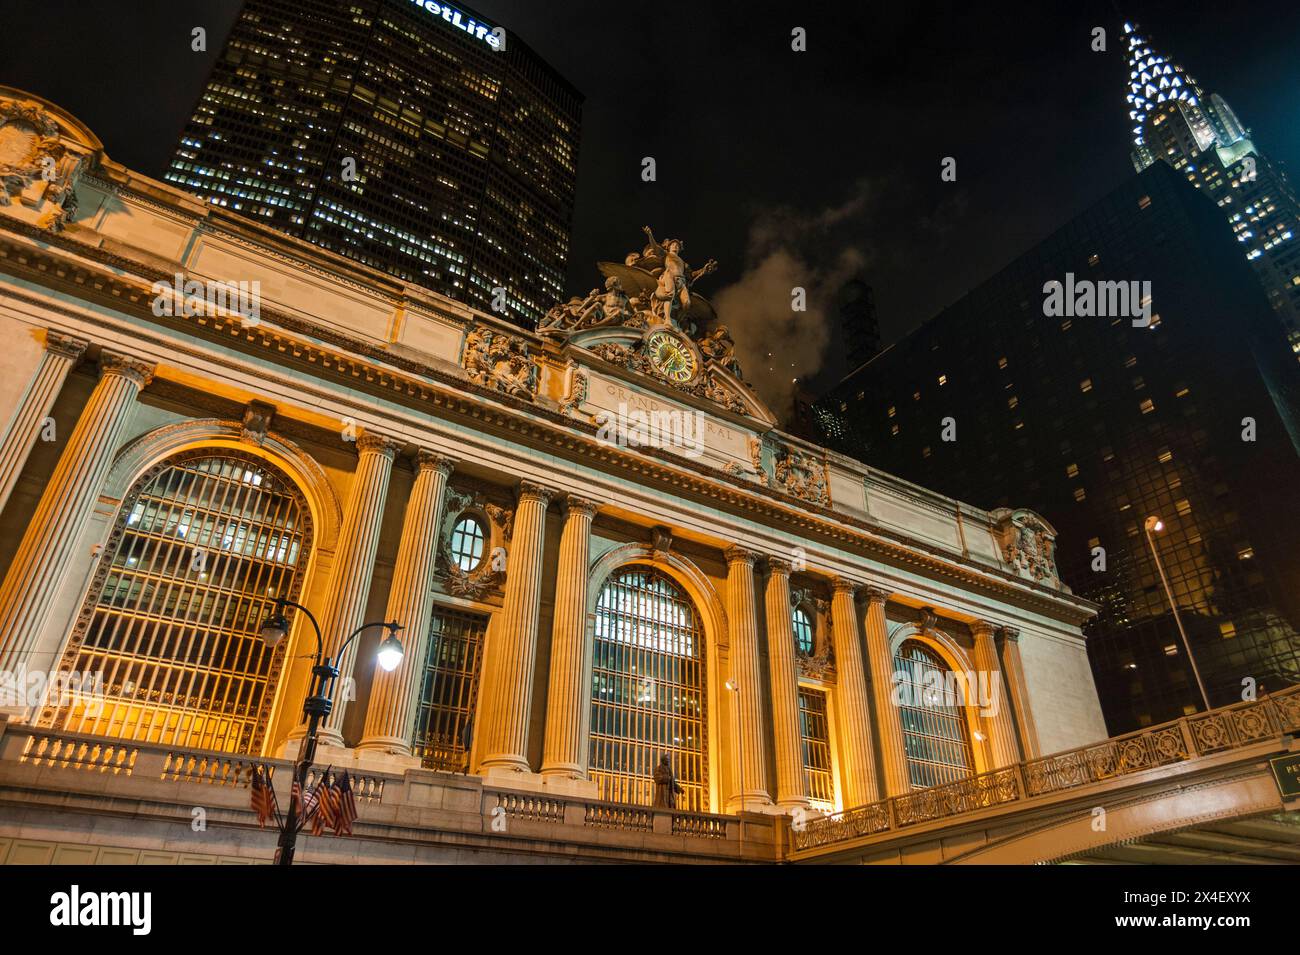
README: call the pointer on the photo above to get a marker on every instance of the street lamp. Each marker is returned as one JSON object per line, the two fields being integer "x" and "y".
{"x": 320, "y": 699}
{"x": 1156, "y": 525}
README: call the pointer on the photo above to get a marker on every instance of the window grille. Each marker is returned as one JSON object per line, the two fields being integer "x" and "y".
{"x": 449, "y": 689}
{"x": 648, "y": 692}
{"x": 201, "y": 546}
{"x": 814, "y": 728}
{"x": 935, "y": 734}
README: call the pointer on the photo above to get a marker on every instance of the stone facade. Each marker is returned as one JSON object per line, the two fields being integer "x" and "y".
{"x": 383, "y": 404}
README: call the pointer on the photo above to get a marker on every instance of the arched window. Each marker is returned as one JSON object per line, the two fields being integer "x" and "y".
{"x": 932, "y": 706}
{"x": 647, "y": 693}
{"x": 202, "y": 544}
{"x": 467, "y": 540}
{"x": 803, "y": 632}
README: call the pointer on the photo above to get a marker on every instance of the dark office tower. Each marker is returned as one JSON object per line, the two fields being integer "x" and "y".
{"x": 1172, "y": 120}
{"x": 1098, "y": 423}
{"x": 395, "y": 132}
{"x": 858, "y": 324}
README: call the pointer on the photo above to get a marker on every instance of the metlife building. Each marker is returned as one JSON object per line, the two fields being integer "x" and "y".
{"x": 416, "y": 137}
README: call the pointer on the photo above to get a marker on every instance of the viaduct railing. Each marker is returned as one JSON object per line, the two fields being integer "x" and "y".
{"x": 1204, "y": 734}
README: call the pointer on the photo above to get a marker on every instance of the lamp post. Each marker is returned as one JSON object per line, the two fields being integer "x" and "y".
{"x": 1156, "y": 524}
{"x": 319, "y": 702}
{"x": 740, "y": 763}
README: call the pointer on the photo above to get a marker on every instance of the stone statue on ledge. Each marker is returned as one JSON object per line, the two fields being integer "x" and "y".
{"x": 719, "y": 346}
{"x": 666, "y": 787}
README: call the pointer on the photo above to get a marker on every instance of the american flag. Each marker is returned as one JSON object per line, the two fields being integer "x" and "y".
{"x": 307, "y": 805}
{"x": 347, "y": 807}
{"x": 262, "y": 796}
{"x": 327, "y": 805}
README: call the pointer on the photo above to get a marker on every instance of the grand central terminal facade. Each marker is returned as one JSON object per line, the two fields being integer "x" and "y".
{"x": 601, "y": 550}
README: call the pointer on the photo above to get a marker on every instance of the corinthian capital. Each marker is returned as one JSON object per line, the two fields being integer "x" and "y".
{"x": 580, "y": 507}
{"x": 65, "y": 346}
{"x": 433, "y": 461}
{"x": 115, "y": 363}
{"x": 876, "y": 594}
{"x": 842, "y": 585}
{"x": 528, "y": 491}
{"x": 779, "y": 566}
{"x": 372, "y": 442}
{"x": 740, "y": 555}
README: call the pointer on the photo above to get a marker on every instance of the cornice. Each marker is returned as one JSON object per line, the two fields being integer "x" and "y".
{"x": 523, "y": 420}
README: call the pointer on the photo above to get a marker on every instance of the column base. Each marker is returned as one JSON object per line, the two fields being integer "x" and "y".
{"x": 384, "y": 745}
{"x": 753, "y": 802}
{"x": 511, "y": 777}
{"x": 353, "y": 760}
{"x": 343, "y": 757}
{"x": 787, "y": 806}
{"x": 326, "y": 738}
{"x": 566, "y": 784}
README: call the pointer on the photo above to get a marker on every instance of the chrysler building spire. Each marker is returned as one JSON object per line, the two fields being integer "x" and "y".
{"x": 1155, "y": 80}
{"x": 1172, "y": 120}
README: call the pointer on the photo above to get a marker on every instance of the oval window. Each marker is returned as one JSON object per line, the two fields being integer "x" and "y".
{"x": 803, "y": 633}
{"x": 467, "y": 540}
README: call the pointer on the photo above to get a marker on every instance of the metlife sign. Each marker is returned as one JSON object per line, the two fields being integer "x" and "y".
{"x": 494, "y": 37}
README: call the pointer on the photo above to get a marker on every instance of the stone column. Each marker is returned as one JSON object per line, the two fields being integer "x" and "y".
{"x": 889, "y": 722}
{"x": 354, "y": 565}
{"x": 750, "y": 778}
{"x": 785, "y": 687}
{"x": 852, "y": 708}
{"x": 1008, "y": 639}
{"x": 62, "y": 352}
{"x": 45, "y": 553}
{"x": 395, "y": 696}
{"x": 1002, "y": 728}
{"x": 507, "y": 691}
{"x": 568, "y": 701}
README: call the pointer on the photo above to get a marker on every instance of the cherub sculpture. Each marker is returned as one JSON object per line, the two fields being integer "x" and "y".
{"x": 607, "y": 309}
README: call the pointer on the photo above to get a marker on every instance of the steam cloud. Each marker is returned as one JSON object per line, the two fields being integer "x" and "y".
{"x": 786, "y": 250}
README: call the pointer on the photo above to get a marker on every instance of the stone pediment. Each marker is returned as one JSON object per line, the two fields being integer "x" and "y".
{"x": 674, "y": 362}
{"x": 649, "y": 323}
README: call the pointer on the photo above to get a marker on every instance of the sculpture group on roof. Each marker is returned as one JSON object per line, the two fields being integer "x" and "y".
{"x": 654, "y": 286}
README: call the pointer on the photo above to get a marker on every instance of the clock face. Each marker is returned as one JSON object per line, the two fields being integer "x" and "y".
{"x": 671, "y": 356}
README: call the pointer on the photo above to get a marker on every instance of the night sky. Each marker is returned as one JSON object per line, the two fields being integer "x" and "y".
{"x": 788, "y": 168}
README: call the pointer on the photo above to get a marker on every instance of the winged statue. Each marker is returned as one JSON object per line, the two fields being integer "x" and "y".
{"x": 661, "y": 281}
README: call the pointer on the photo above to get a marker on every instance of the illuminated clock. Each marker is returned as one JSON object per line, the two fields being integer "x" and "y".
{"x": 671, "y": 357}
